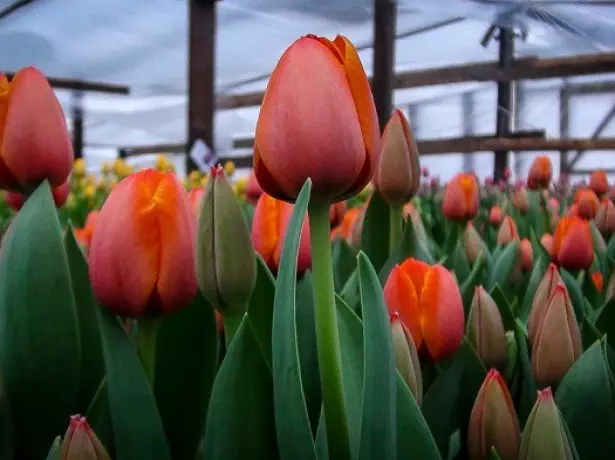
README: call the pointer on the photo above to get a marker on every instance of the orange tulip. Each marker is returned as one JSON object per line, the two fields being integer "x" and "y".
{"x": 587, "y": 203}
{"x": 541, "y": 299}
{"x": 527, "y": 255}
{"x": 336, "y": 213}
{"x": 428, "y": 302}
{"x": 142, "y": 256}
{"x": 540, "y": 173}
{"x": 34, "y": 140}
{"x": 508, "y": 231}
{"x": 84, "y": 235}
{"x": 461, "y": 198}
{"x": 572, "y": 244}
{"x": 495, "y": 215}
{"x": 598, "y": 281}
{"x": 253, "y": 189}
{"x": 80, "y": 441}
{"x": 317, "y": 120}
{"x": 196, "y": 197}
{"x": 344, "y": 229}
{"x": 269, "y": 224}
{"x": 599, "y": 182}
{"x": 60, "y": 194}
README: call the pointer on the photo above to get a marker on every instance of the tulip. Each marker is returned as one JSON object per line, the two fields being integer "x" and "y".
{"x": 486, "y": 330}
{"x": 253, "y": 189}
{"x": 541, "y": 299}
{"x": 16, "y": 200}
{"x": 540, "y": 173}
{"x": 398, "y": 176}
{"x": 496, "y": 216}
{"x": 336, "y": 213}
{"x": 196, "y": 197}
{"x": 557, "y": 344}
{"x": 226, "y": 262}
{"x": 599, "y": 182}
{"x": 81, "y": 443}
{"x": 572, "y": 244}
{"x": 547, "y": 242}
{"x": 271, "y": 217}
{"x": 142, "y": 253}
{"x": 544, "y": 435}
{"x": 508, "y": 231}
{"x": 406, "y": 357}
{"x": 472, "y": 243}
{"x": 553, "y": 206}
{"x": 521, "y": 200}
{"x": 84, "y": 235}
{"x": 461, "y": 198}
{"x": 493, "y": 421}
{"x": 428, "y": 302}
{"x": 410, "y": 212}
{"x": 344, "y": 230}
{"x": 587, "y": 203}
{"x": 598, "y": 281}
{"x": 34, "y": 140}
{"x": 318, "y": 121}
{"x": 573, "y": 211}
{"x": 605, "y": 218}
{"x": 527, "y": 255}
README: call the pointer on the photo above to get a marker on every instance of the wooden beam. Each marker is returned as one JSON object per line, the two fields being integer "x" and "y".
{"x": 13, "y": 7}
{"x": 606, "y": 121}
{"x": 575, "y": 89}
{"x": 504, "y": 105}
{"x": 80, "y": 85}
{"x": 385, "y": 20}
{"x": 564, "y": 125}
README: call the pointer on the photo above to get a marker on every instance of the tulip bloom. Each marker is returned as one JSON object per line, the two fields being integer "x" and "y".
{"x": 493, "y": 421}
{"x": 428, "y": 302}
{"x": 486, "y": 330}
{"x": 142, "y": 256}
{"x": 598, "y": 281}
{"x": 495, "y": 215}
{"x": 80, "y": 442}
{"x": 599, "y": 182}
{"x": 461, "y": 198}
{"x": 59, "y": 194}
{"x": 521, "y": 200}
{"x": 269, "y": 224}
{"x": 344, "y": 230}
{"x": 572, "y": 244}
{"x": 84, "y": 235}
{"x": 317, "y": 120}
{"x": 508, "y": 231}
{"x": 605, "y": 218}
{"x": 398, "y": 176}
{"x": 253, "y": 189}
{"x": 34, "y": 140}
{"x": 587, "y": 203}
{"x": 540, "y": 173}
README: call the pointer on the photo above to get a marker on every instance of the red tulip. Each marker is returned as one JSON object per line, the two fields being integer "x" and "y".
{"x": 461, "y": 198}
{"x": 598, "y": 281}
{"x": 142, "y": 256}
{"x": 16, "y": 200}
{"x": 269, "y": 223}
{"x": 34, "y": 140}
{"x": 599, "y": 182}
{"x": 253, "y": 189}
{"x": 541, "y": 173}
{"x": 572, "y": 244}
{"x": 317, "y": 120}
{"x": 587, "y": 203}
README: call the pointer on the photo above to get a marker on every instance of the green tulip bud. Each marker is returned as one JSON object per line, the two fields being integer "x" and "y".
{"x": 486, "y": 330}
{"x": 406, "y": 358}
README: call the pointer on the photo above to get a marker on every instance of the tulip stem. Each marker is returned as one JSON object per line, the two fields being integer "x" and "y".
{"x": 327, "y": 335}
{"x": 396, "y": 226}
{"x": 146, "y": 346}
{"x": 231, "y": 325}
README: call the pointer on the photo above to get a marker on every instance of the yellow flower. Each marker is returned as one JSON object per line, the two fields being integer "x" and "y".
{"x": 242, "y": 184}
{"x": 194, "y": 176}
{"x": 79, "y": 167}
{"x": 106, "y": 168}
{"x": 204, "y": 181}
{"x": 89, "y": 191}
{"x": 229, "y": 168}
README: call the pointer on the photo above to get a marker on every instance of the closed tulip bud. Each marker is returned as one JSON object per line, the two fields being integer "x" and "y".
{"x": 81, "y": 443}
{"x": 399, "y": 173}
{"x": 486, "y": 330}
{"x": 461, "y": 198}
{"x": 493, "y": 421}
{"x": 226, "y": 263}
{"x": 541, "y": 173}
{"x": 599, "y": 182}
{"x": 34, "y": 140}
{"x": 472, "y": 243}
{"x": 587, "y": 203}
{"x": 557, "y": 344}
{"x": 269, "y": 223}
{"x": 317, "y": 110}
{"x": 336, "y": 213}
{"x": 406, "y": 357}
{"x": 544, "y": 435}
{"x": 547, "y": 242}
{"x": 527, "y": 255}
{"x": 573, "y": 244}
{"x": 508, "y": 231}
{"x": 605, "y": 218}
{"x": 253, "y": 189}
{"x": 521, "y": 200}
{"x": 142, "y": 253}
{"x": 496, "y": 216}
{"x": 540, "y": 302}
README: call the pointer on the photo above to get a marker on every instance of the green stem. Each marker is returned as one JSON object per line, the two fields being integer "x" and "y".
{"x": 396, "y": 226}
{"x": 146, "y": 345}
{"x": 327, "y": 336}
{"x": 231, "y": 325}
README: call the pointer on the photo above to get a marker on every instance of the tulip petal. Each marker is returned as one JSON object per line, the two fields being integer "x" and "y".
{"x": 264, "y": 177}
{"x": 401, "y": 299}
{"x": 416, "y": 270}
{"x": 265, "y": 228}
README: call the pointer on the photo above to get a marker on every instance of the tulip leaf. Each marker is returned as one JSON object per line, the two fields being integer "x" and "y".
{"x": 378, "y": 435}
{"x": 7, "y": 430}
{"x": 508, "y": 319}
{"x": 350, "y": 292}
{"x": 536, "y": 213}
{"x": 240, "y": 420}
{"x": 569, "y": 438}
{"x": 605, "y": 321}
{"x": 92, "y": 363}
{"x": 585, "y": 399}
{"x": 260, "y": 309}
{"x": 504, "y": 264}
{"x": 137, "y": 427}
{"x": 538, "y": 273}
{"x": 458, "y": 263}
{"x": 576, "y": 295}
{"x": 344, "y": 263}
{"x": 539, "y": 251}
{"x": 589, "y": 333}
{"x": 99, "y": 417}
{"x": 493, "y": 455}
{"x": 40, "y": 352}
{"x": 322, "y": 450}
{"x": 610, "y": 248}
{"x": 375, "y": 231}
{"x": 590, "y": 291}
{"x": 182, "y": 389}
{"x": 469, "y": 285}
{"x": 527, "y": 388}
{"x": 54, "y": 451}
{"x": 292, "y": 422}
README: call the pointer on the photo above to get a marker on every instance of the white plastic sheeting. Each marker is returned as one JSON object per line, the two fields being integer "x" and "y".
{"x": 143, "y": 44}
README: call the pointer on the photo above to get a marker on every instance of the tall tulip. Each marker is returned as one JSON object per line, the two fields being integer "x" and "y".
{"x": 599, "y": 182}
{"x": 541, "y": 173}
{"x": 34, "y": 140}
{"x": 587, "y": 203}
{"x": 572, "y": 244}
{"x": 461, "y": 198}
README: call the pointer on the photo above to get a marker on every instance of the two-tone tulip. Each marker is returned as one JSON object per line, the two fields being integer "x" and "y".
{"x": 521, "y": 200}
{"x": 269, "y": 223}
{"x": 406, "y": 357}
{"x": 605, "y": 218}
{"x": 540, "y": 301}
{"x": 34, "y": 140}
{"x": 317, "y": 110}
{"x": 493, "y": 421}
{"x": 428, "y": 302}
{"x": 486, "y": 330}
{"x": 472, "y": 243}
{"x": 398, "y": 176}
{"x": 573, "y": 244}
{"x": 508, "y": 231}
{"x": 59, "y": 194}
{"x": 496, "y": 216}
{"x": 81, "y": 443}
{"x": 587, "y": 203}
{"x": 461, "y": 198}
{"x": 253, "y": 189}
{"x": 599, "y": 182}
{"x": 142, "y": 253}
{"x": 541, "y": 173}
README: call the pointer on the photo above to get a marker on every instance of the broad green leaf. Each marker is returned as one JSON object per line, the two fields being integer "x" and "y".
{"x": 344, "y": 263}
{"x": 322, "y": 450}
{"x": 539, "y": 251}
{"x": 599, "y": 250}
{"x": 527, "y": 388}
{"x": 605, "y": 321}
{"x": 240, "y": 420}
{"x": 292, "y": 422}
{"x": 576, "y": 295}
{"x": 182, "y": 387}
{"x": 260, "y": 309}
{"x": 54, "y": 451}
{"x": 99, "y": 417}
{"x": 137, "y": 427}
{"x": 589, "y": 333}
{"x": 469, "y": 285}
{"x": 375, "y": 232}
{"x": 350, "y": 292}
{"x": 538, "y": 273}
{"x": 536, "y": 213}
{"x": 504, "y": 264}
{"x": 40, "y": 354}
{"x": 458, "y": 263}
{"x": 378, "y": 434}
{"x": 508, "y": 318}
{"x": 610, "y": 248}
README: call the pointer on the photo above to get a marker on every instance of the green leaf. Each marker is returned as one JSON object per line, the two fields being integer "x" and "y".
{"x": 54, "y": 451}
{"x": 536, "y": 214}
{"x": 378, "y": 435}
{"x": 350, "y": 292}
{"x": 599, "y": 250}
{"x": 576, "y": 295}
{"x": 458, "y": 263}
{"x": 493, "y": 455}
{"x": 7, "y": 431}
{"x": 527, "y": 389}
{"x": 469, "y": 285}
{"x": 538, "y": 249}
{"x": 137, "y": 427}
{"x": 240, "y": 420}
{"x": 504, "y": 264}
{"x": 99, "y": 417}
{"x": 182, "y": 387}
{"x": 40, "y": 353}
{"x": 322, "y": 450}
{"x": 344, "y": 263}
{"x": 610, "y": 248}
{"x": 374, "y": 240}
{"x": 591, "y": 293}
{"x": 585, "y": 399}
{"x": 508, "y": 319}
{"x": 589, "y": 333}
{"x": 260, "y": 309}
{"x": 291, "y": 416}
{"x": 92, "y": 363}
{"x": 538, "y": 273}
{"x": 605, "y": 321}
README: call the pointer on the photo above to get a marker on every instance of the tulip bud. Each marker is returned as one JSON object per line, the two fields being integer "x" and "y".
{"x": 512, "y": 356}
{"x": 495, "y": 215}
{"x": 599, "y": 182}
{"x": 554, "y": 207}
{"x": 557, "y": 344}
{"x": 521, "y": 200}
{"x": 587, "y": 203}
{"x": 544, "y": 436}
{"x": 573, "y": 243}
{"x": 461, "y": 198}
{"x": 540, "y": 302}
{"x": 605, "y": 218}
{"x": 486, "y": 330}
{"x": 411, "y": 212}
{"x": 540, "y": 173}
{"x": 253, "y": 189}
{"x": 81, "y": 443}
{"x": 493, "y": 421}
{"x": 472, "y": 243}
{"x": 398, "y": 176}
{"x": 508, "y": 231}
{"x": 527, "y": 255}
{"x": 226, "y": 263}
{"x": 547, "y": 242}
{"x": 406, "y": 357}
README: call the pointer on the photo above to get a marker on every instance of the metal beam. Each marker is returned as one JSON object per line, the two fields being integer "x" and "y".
{"x": 564, "y": 125}
{"x": 385, "y": 20}
{"x": 581, "y": 172}
{"x": 467, "y": 106}
{"x": 77, "y": 122}
{"x": 576, "y": 89}
{"x": 596, "y": 134}
{"x": 504, "y": 106}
